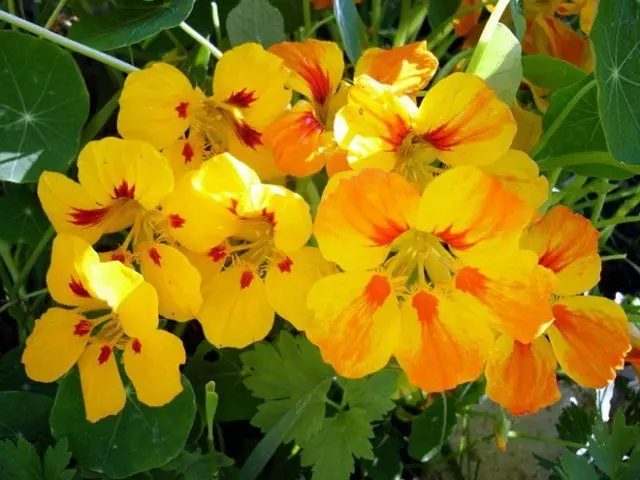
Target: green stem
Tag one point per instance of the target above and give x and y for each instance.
(617, 221)
(54, 14)
(487, 33)
(612, 197)
(597, 207)
(619, 217)
(552, 441)
(417, 15)
(549, 132)
(99, 120)
(452, 63)
(216, 22)
(5, 255)
(333, 404)
(201, 40)
(36, 293)
(67, 43)
(306, 12)
(31, 261)
(554, 176)
(618, 256)
(319, 24)
(376, 17)
(403, 27)
(176, 41)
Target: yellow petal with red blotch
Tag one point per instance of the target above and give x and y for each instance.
(70, 208)
(373, 125)
(529, 128)
(522, 378)
(289, 280)
(208, 264)
(299, 141)
(71, 260)
(102, 387)
(119, 254)
(55, 344)
(407, 69)
(550, 36)
(252, 80)
(470, 211)
(176, 281)
(514, 287)
(445, 340)
(590, 339)
(462, 119)
(153, 364)
(360, 216)
(356, 322)
(156, 105)
(567, 244)
(520, 175)
(286, 211)
(317, 67)
(235, 312)
(186, 154)
(464, 24)
(113, 169)
(125, 291)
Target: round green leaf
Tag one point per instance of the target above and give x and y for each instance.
(22, 219)
(138, 439)
(24, 415)
(43, 106)
(255, 21)
(548, 72)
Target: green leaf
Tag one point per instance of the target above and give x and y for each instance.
(25, 415)
(255, 21)
(139, 438)
(292, 13)
(500, 63)
(615, 38)
(56, 460)
(548, 72)
(575, 424)
(43, 106)
(22, 219)
(129, 22)
(441, 10)
(347, 18)
(387, 462)
(343, 437)
(574, 467)
(371, 394)
(608, 448)
(431, 428)
(591, 164)
(284, 374)
(20, 461)
(197, 466)
(519, 20)
(13, 377)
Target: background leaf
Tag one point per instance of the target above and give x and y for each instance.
(25, 415)
(255, 21)
(431, 428)
(22, 219)
(441, 10)
(548, 72)
(347, 19)
(591, 164)
(43, 106)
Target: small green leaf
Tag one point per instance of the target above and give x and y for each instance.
(255, 21)
(19, 461)
(25, 415)
(575, 424)
(129, 22)
(347, 19)
(22, 219)
(43, 106)
(574, 467)
(56, 460)
(138, 439)
(441, 11)
(519, 20)
(548, 72)
(431, 428)
(591, 164)
(608, 448)
(371, 394)
(197, 466)
(615, 39)
(500, 63)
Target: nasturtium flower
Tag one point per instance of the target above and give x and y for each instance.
(159, 105)
(529, 128)
(382, 130)
(187, 154)
(61, 338)
(589, 335)
(118, 180)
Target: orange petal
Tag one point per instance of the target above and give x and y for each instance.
(567, 244)
(515, 289)
(357, 221)
(548, 35)
(337, 162)
(590, 339)
(406, 69)
(445, 340)
(464, 24)
(522, 378)
(529, 128)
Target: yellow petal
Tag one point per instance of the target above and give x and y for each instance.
(176, 281)
(465, 122)
(522, 378)
(235, 311)
(356, 321)
(156, 105)
(102, 387)
(529, 128)
(152, 363)
(405, 69)
(55, 344)
(567, 244)
(590, 339)
(208, 264)
(289, 280)
(445, 340)
(186, 154)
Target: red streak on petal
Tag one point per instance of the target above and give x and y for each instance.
(118, 257)
(155, 256)
(386, 234)
(176, 220)
(187, 152)
(105, 353)
(270, 216)
(285, 265)
(318, 81)
(182, 109)
(124, 191)
(243, 98)
(377, 291)
(234, 206)
(398, 131)
(82, 328)
(78, 289)
(218, 252)
(426, 305)
(246, 278)
(136, 345)
(455, 240)
(247, 134)
(470, 280)
(87, 218)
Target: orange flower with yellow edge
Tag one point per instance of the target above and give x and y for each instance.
(588, 336)
(450, 252)
(159, 105)
(61, 338)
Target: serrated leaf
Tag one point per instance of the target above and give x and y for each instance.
(129, 22)
(575, 424)
(19, 461)
(372, 394)
(25, 415)
(574, 467)
(500, 63)
(431, 428)
(138, 439)
(549, 72)
(608, 447)
(255, 21)
(347, 19)
(56, 460)
(344, 437)
(43, 105)
(197, 466)
(283, 374)
(22, 219)
(615, 38)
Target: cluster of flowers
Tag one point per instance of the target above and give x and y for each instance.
(430, 247)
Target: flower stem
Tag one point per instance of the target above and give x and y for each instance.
(552, 441)
(597, 207)
(201, 40)
(306, 12)
(319, 24)
(216, 22)
(31, 261)
(54, 14)
(452, 63)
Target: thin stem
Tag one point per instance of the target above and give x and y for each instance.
(333, 404)
(405, 19)
(33, 294)
(597, 207)
(98, 121)
(67, 43)
(452, 63)
(554, 176)
(306, 12)
(546, 136)
(201, 40)
(376, 16)
(54, 14)
(487, 33)
(216, 22)
(618, 256)
(31, 261)
(617, 221)
(552, 441)
(319, 24)
(176, 41)
(620, 214)
(5, 255)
